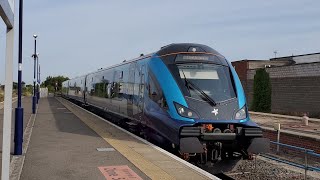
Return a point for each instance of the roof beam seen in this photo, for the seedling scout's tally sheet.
(6, 13)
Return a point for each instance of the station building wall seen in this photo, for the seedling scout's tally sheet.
(295, 88)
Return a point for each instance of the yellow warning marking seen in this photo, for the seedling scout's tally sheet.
(147, 167)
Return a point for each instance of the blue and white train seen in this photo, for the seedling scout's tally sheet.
(187, 96)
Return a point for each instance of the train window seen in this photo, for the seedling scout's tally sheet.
(121, 75)
(214, 80)
(155, 93)
(99, 89)
(153, 90)
(109, 90)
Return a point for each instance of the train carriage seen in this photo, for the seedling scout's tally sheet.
(185, 95)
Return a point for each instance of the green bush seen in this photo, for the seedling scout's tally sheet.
(261, 92)
(51, 81)
(27, 91)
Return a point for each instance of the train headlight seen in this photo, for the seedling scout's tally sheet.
(242, 113)
(181, 110)
(185, 112)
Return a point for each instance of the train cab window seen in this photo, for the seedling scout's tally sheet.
(155, 93)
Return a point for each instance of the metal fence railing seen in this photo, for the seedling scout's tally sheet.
(304, 162)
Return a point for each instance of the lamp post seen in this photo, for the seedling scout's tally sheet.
(275, 54)
(34, 98)
(38, 85)
(18, 129)
(39, 81)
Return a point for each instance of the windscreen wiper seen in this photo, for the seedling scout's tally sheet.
(205, 95)
(186, 82)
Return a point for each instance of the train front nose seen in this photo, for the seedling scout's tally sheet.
(222, 138)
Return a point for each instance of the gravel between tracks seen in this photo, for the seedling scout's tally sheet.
(267, 169)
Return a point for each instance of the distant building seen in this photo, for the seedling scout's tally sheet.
(300, 59)
(242, 66)
(295, 82)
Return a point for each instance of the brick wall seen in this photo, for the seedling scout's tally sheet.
(241, 68)
(295, 140)
(295, 89)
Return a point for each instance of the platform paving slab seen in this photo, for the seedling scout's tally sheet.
(63, 147)
(287, 123)
(150, 159)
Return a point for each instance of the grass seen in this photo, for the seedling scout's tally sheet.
(1, 95)
(14, 94)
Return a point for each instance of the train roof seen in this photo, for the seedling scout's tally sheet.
(168, 49)
(186, 47)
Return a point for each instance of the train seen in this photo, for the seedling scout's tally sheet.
(185, 96)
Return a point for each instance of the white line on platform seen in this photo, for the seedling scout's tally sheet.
(201, 171)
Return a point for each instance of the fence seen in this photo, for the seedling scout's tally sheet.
(306, 159)
(43, 92)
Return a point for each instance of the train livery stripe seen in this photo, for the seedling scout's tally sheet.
(169, 87)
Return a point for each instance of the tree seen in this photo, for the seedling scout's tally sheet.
(14, 85)
(50, 82)
(27, 90)
(261, 92)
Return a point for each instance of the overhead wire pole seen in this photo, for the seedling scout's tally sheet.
(18, 130)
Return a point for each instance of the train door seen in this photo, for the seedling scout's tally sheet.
(130, 104)
(141, 92)
(85, 90)
(114, 104)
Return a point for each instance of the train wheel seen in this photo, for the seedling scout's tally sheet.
(185, 156)
(223, 155)
(214, 156)
(146, 135)
(246, 156)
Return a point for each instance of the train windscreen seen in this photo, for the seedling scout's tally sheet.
(206, 79)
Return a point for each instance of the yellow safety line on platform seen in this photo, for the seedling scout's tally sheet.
(147, 167)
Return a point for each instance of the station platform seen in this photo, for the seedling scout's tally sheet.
(290, 124)
(27, 104)
(292, 131)
(68, 142)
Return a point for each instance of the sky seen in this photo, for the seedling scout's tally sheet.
(76, 37)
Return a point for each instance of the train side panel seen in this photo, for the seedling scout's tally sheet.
(119, 90)
(76, 88)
